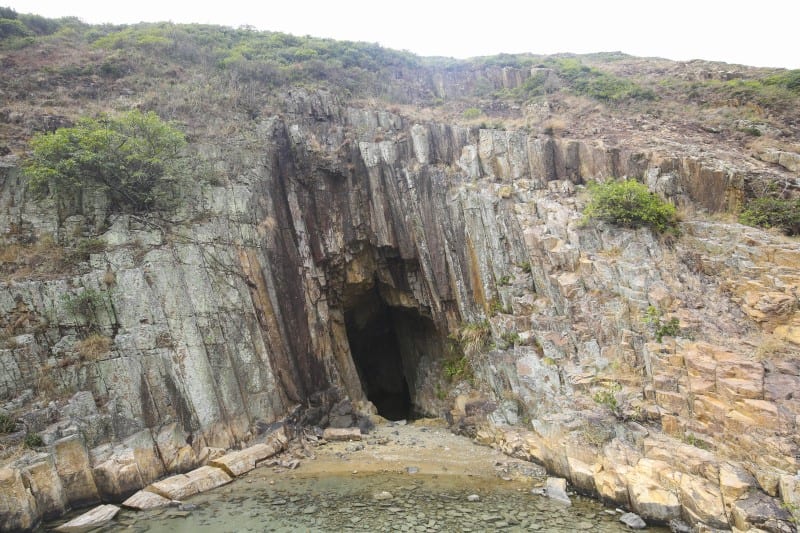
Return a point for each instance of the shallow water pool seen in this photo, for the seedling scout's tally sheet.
(373, 502)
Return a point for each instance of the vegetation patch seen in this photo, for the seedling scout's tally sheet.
(458, 369)
(7, 423)
(771, 212)
(44, 256)
(607, 396)
(583, 80)
(135, 158)
(33, 440)
(473, 337)
(670, 328)
(93, 347)
(630, 204)
(84, 306)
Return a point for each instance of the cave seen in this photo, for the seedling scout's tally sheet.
(392, 348)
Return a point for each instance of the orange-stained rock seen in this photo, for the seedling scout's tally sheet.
(74, 470)
(17, 504)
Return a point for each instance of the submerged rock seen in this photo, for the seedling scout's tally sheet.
(633, 521)
(555, 488)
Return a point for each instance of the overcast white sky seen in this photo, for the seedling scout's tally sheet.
(763, 33)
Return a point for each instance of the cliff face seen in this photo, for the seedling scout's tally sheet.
(347, 248)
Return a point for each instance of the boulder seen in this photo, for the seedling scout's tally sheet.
(702, 501)
(734, 482)
(144, 500)
(72, 465)
(41, 476)
(633, 521)
(649, 500)
(242, 461)
(611, 487)
(555, 488)
(90, 520)
(341, 434)
(118, 476)
(17, 504)
(581, 475)
(762, 512)
(182, 486)
(172, 446)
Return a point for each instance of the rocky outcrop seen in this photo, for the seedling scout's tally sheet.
(340, 231)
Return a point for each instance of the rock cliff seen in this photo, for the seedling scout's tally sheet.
(346, 250)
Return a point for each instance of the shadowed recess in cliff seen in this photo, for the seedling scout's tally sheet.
(389, 345)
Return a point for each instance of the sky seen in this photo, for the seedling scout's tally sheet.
(762, 33)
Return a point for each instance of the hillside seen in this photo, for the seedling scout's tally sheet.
(356, 231)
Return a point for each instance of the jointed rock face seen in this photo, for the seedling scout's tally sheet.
(337, 261)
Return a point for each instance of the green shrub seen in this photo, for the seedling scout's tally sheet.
(607, 396)
(661, 329)
(7, 424)
(751, 130)
(769, 212)
(630, 204)
(598, 84)
(458, 369)
(85, 304)
(511, 338)
(496, 308)
(135, 158)
(471, 113)
(789, 80)
(33, 440)
(12, 28)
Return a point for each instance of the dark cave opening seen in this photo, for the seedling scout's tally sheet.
(387, 345)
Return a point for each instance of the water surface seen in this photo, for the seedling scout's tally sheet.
(418, 503)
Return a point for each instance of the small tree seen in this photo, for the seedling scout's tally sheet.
(630, 204)
(135, 158)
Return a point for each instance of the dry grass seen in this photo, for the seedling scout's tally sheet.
(474, 337)
(554, 126)
(770, 347)
(762, 144)
(93, 347)
(18, 261)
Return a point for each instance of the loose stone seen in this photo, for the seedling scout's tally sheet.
(633, 521)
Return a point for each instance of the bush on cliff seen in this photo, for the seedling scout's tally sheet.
(769, 212)
(630, 204)
(135, 158)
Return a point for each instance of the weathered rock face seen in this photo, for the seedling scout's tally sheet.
(344, 249)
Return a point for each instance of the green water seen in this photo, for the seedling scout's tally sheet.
(419, 503)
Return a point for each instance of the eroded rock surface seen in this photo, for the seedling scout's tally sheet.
(340, 226)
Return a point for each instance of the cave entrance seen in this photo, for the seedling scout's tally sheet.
(388, 345)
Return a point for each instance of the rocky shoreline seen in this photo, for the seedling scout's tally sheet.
(474, 485)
